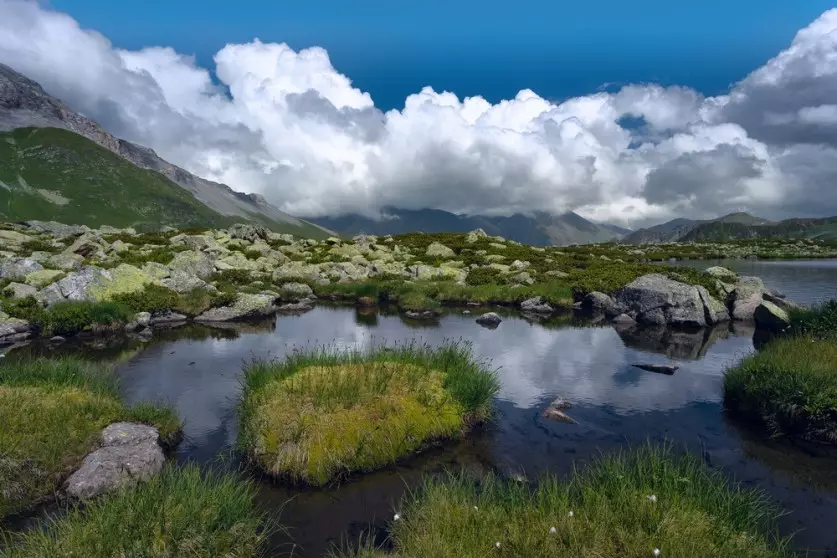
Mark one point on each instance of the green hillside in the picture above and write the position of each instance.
(54, 174)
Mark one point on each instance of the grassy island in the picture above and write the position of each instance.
(790, 386)
(182, 512)
(647, 502)
(320, 414)
(52, 413)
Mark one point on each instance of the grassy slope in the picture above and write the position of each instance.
(39, 167)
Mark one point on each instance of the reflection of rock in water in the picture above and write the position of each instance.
(231, 330)
(673, 343)
(367, 316)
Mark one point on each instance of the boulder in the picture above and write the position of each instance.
(745, 297)
(714, 309)
(599, 303)
(143, 319)
(183, 282)
(438, 250)
(559, 415)
(536, 305)
(303, 305)
(42, 278)
(245, 306)
(294, 292)
(770, 317)
(57, 230)
(65, 262)
(156, 270)
(130, 454)
(366, 301)
(194, 263)
(722, 274)
(655, 299)
(237, 260)
(518, 265)
(623, 320)
(13, 329)
(249, 232)
(19, 268)
(75, 286)
(13, 240)
(19, 290)
(123, 279)
(88, 245)
(475, 235)
(489, 319)
(522, 278)
(166, 318)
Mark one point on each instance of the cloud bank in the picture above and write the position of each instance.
(291, 127)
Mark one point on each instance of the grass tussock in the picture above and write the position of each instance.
(790, 387)
(52, 412)
(322, 413)
(819, 321)
(182, 512)
(68, 317)
(625, 505)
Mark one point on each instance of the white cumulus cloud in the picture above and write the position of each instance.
(288, 125)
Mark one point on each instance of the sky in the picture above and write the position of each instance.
(627, 112)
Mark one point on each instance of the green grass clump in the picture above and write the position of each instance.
(68, 317)
(603, 510)
(322, 413)
(790, 387)
(182, 512)
(153, 299)
(819, 321)
(485, 276)
(52, 412)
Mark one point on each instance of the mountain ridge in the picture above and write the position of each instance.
(25, 104)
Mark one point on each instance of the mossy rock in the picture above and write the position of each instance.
(44, 277)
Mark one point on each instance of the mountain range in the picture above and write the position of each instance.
(538, 229)
(58, 164)
(735, 226)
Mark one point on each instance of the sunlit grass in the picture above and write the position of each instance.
(626, 505)
(322, 413)
(182, 512)
(52, 412)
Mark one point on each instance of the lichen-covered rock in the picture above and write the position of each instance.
(58, 230)
(475, 235)
(13, 240)
(130, 454)
(75, 286)
(536, 305)
(183, 282)
(12, 329)
(249, 232)
(156, 270)
(20, 290)
(195, 263)
(522, 278)
(65, 262)
(294, 292)
(19, 268)
(770, 317)
(714, 309)
(123, 279)
(438, 250)
(42, 278)
(722, 274)
(88, 245)
(245, 306)
(237, 260)
(556, 274)
(166, 318)
(518, 265)
(119, 247)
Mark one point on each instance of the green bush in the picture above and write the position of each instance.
(485, 276)
(73, 316)
(153, 298)
(790, 387)
(820, 321)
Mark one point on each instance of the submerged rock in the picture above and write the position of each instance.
(489, 319)
(556, 413)
(771, 317)
(666, 369)
(130, 454)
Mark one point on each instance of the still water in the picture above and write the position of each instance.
(198, 370)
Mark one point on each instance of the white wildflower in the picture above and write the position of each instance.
(656, 552)
(397, 517)
(553, 530)
(571, 513)
(652, 498)
(497, 544)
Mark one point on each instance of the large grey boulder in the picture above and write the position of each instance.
(655, 299)
(19, 268)
(130, 454)
(183, 282)
(536, 305)
(65, 262)
(716, 311)
(722, 274)
(20, 290)
(245, 306)
(746, 297)
(771, 317)
(75, 286)
(248, 232)
(195, 263)
(58, 230)
(294, 292)
(88, 245)
(13, 329)
(475, 235)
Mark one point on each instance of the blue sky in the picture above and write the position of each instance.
(491, 48)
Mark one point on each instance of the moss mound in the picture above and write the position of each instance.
(321, 414)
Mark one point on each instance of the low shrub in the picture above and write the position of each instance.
(624, 505)
(153, 298)
(790, 387)
(321, 413)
